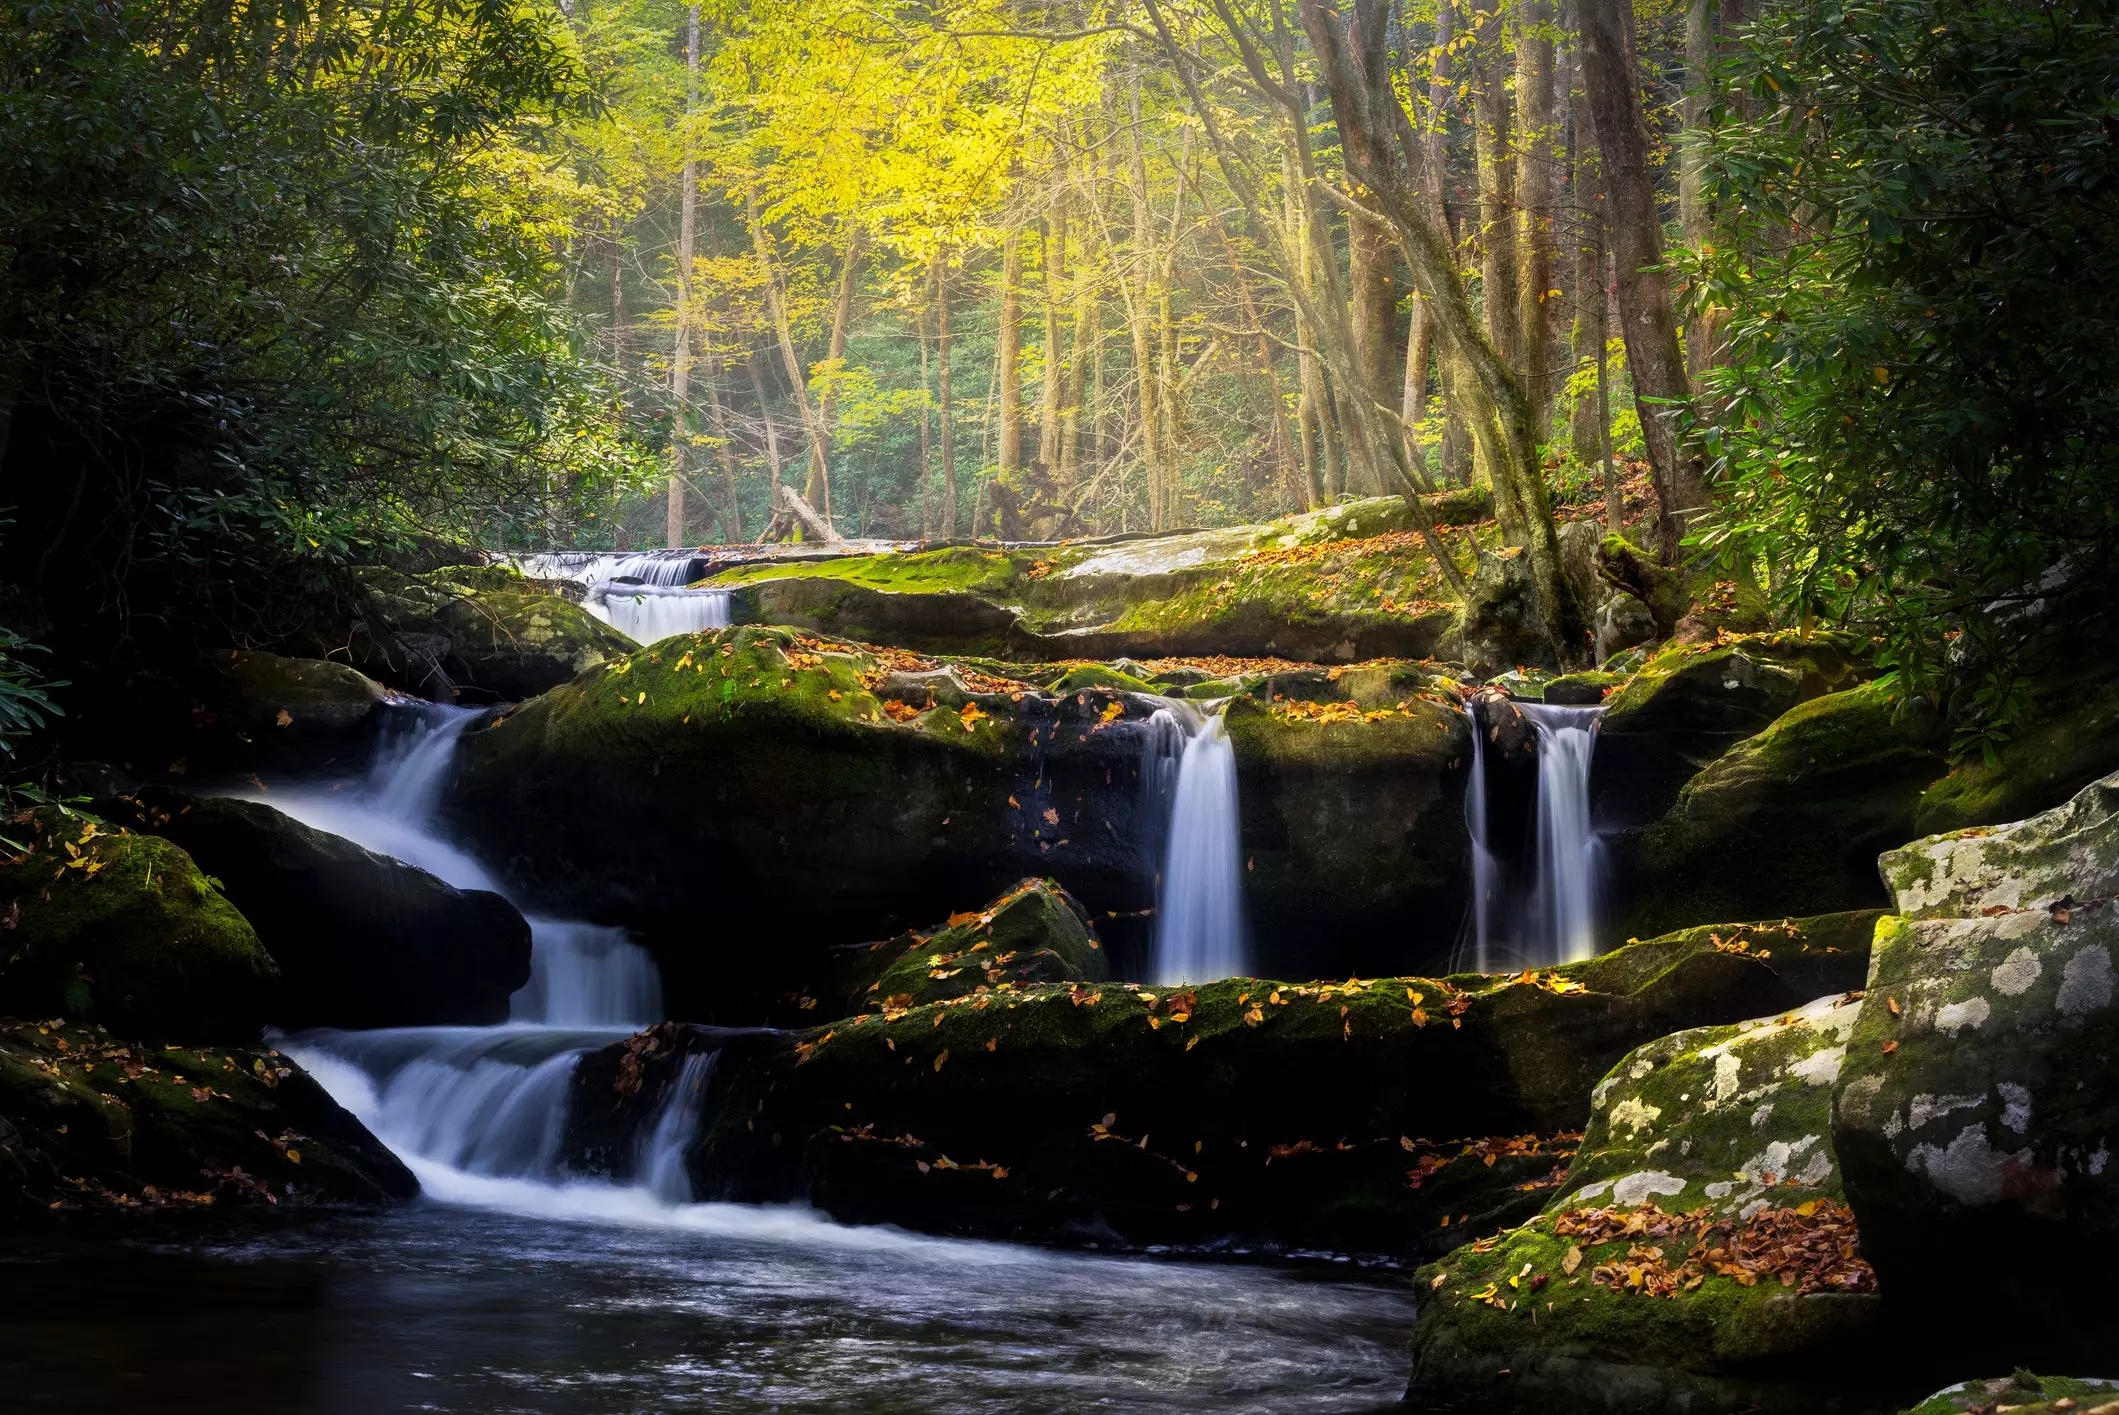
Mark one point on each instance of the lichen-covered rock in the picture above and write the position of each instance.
(1697, 1258)
(1348, 583)
(91, 1122)
(765, 784)
(1294, 1112)
(124, 930)
(1690, 703)
(1034, 933)
(1790, 819)
(2025, 1394)
(1502, 626)
(1978, 1112)
(361, 940)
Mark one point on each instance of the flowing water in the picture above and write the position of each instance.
(647, 614)
(1551, 916)
(1200, 933)
(514, 1286)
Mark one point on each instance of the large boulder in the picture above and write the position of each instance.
(1502, 626)
(361, 940)
(1699, 1256)
(1351, 582)
(475, 634)
(1979, 1108)
(88, 1121)
(765, 784)
(1790, 819)
(124, 930)
(1293, 1112)
(1690, 703)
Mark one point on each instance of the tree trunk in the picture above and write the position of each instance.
(817, 491)
(772, 432)
(1493, 138)
(1375, 311)
(1087, 317)
(1591, 313)
(1140, 300)
(1051, 393)
(947, 410)
(1009, 341)
(926, 434)
(724, 450)
(1614, 498)
(797, 378)
(1610, 77)
(1538, 124)
(681, 357)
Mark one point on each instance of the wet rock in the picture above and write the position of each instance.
(1698, 1256)
(361, 940)
(1790, 819)
(1689, 704)
(1977, 1114)
(124, 930)
(476, 634)
(88, 1121)
(268, 693)
(1297, 1113)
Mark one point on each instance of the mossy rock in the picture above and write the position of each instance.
(1690, 703)
(2025, 1394)
(1628, 568)
(1977, 1115)
(1790, 819)
(360, 939)
(1096, 675)
(267, 693)
(819, 792)
(1655, 1279)
(474, 634)
(1339, 585)
(1296, 1113)
(1582, 689)
(88, 1121)
(1034, 933)
(124, 930)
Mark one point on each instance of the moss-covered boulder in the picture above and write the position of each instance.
(1501, 625)
(1979, 1109)
(1790, 819)
(361, 940)
(1292, 1112)
(1698, 1257)
(269, 694)
(1690, 703)
(2025, 1393)
(88, 1121)
(1582, 689)
(1348, 583)
(124, 930)
(775, 785)
(475, 634)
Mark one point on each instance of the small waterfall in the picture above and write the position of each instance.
(1544, 910)
(647, 614)
(1199, 925)
(1485, 875)
(1570, 858)
(587, 975)
(590, 567)
(663, 1172)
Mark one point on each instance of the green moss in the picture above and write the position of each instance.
(960, 569)
(1033, 934)
(1095, 675)
(2023, 1393)
(124, 930)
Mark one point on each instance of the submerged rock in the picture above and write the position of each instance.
(1297, 1113)
(1698, 1257)
(361, 940)
(1789, 819)
(90, 1122)
(1979, 1109)
(121, 929)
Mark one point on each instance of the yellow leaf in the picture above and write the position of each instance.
(942, 1058)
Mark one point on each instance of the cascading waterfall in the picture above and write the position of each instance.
(662, 1156)
(590, 567)
(1200, 935)
(647, 614)
(460, 1104)
(1570, 857)
(1555, 918)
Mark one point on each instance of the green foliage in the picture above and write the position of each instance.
(25, 695)
(1922, 279)
(277, 282)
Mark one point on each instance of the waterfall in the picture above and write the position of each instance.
(1570, 858)
(590, 567)
(1199, 924)
(663, 1172)
(1484, 873)
(647, 614)
(1552, 917)
(465, 1107)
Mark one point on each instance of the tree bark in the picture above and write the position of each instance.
(1538, 124)
(1009, 342)
(926, 434)
(1370, 257)
(1141, 299)
(1053, 278)
(1661, 389)
(724, 450)
(1493, 137)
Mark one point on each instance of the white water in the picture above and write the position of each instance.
(589, 567)
(648, 614)
(469, 1107)
(1200, 935)
(1553, 918)
(662, 1168)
